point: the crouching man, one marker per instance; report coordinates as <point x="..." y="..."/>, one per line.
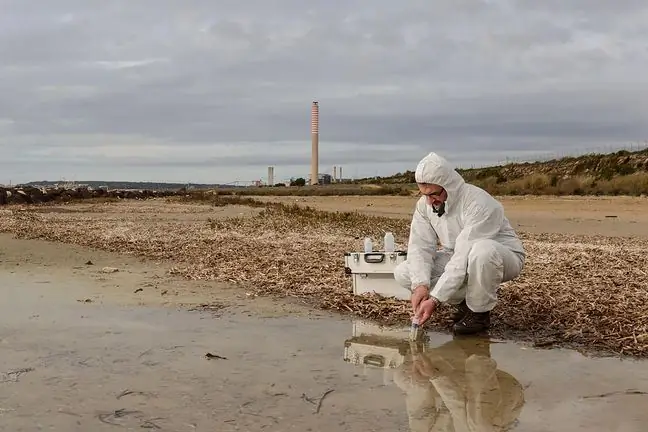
<point x="478" y="248"/>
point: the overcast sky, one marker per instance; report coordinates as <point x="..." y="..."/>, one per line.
<point x="217" y="90"/>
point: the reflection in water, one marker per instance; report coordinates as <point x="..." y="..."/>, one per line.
<point x="454" y="386"/>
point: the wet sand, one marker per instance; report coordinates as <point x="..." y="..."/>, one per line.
<point x="75" y="366"/>
<point x="126" y="280"/>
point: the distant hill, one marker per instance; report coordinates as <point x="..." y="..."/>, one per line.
<point x="123" y="185"/>
<point x="597" y="166"/>
<point x="618" y="173"/>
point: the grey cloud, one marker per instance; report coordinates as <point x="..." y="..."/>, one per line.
<point x="350" y="156"/>
<point x="496" y="76"/>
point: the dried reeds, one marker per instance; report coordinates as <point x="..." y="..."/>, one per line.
<point x="590" y="291"/>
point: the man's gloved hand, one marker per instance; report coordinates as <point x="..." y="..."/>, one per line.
<point x="419" y="294"/>
<point x="425" y="310"/>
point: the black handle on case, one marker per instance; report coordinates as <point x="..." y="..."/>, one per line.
<point x="374" y="360"/>
<point x="373" y="258"/>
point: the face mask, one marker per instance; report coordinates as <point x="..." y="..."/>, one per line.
<point x="439" y="210"/>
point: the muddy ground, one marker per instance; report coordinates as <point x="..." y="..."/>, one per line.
<point x="70" y="365"/>
<point x="126" y="280"/>
<point x="94" y="340"/>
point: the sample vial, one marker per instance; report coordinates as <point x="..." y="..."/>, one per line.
<point x="389" y="242"/>
<point x="414" y="329"/>
<point x="368" y="245"/>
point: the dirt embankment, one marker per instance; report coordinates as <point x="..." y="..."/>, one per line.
<point x="597" y="166"/>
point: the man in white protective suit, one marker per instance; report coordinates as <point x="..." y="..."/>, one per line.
<point x="478" y="248"/>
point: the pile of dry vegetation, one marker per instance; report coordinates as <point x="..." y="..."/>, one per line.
<point x="587" y="291"/>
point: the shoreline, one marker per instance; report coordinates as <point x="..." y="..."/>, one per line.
<point x="128" y="280"/>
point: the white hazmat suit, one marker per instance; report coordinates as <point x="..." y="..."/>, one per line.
<point x="478" y="247"/>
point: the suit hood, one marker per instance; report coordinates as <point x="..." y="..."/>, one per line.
<point x="434" y="169"/>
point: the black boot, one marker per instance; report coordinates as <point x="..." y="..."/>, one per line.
<point x="473" y="323"/>
<point x="460" y="312"/>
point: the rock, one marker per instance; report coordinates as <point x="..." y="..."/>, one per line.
<point x="34" y="195"/>
<point x="109" y="270"/>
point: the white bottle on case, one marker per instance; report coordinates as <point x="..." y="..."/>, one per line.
<point x="368" y="245"/>
<point x="389" y="242"/>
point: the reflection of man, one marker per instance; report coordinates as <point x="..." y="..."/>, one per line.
<point x="458" y="388"/>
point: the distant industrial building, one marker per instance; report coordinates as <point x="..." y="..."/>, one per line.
<point x="322" y="179"/>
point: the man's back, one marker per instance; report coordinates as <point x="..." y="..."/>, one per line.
<point x="468" y="200"/>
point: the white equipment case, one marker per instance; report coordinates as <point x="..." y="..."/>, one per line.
<point x="374" y="272"/>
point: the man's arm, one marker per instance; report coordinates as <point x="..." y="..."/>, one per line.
<point x="482" y="221"/>
<point x="421" y="248"/>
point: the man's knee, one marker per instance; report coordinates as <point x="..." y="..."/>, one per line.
<point x="485" y="274"/>
<point x="485" y="252"/>
<point x="490" y="255"/>
<point x="401" y="275"/>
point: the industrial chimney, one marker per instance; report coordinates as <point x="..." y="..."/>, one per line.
<point x="270" y="176"/>
<point x="334" y="173"/>
<point x="314" y="143"/>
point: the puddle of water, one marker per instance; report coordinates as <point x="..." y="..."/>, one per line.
<point x="68" y="366"/>
<point x="473" y="384"/>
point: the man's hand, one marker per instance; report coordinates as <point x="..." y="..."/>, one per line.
<point x="419" y="294"/>
<point x="426" y="309"/>
<point x="424" y="368"/>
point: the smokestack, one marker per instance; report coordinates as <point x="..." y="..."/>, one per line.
<point x="340" y="174"/>
<point x="334" y="173"/>
<point x="314" y="143"/>
<point x="270" y="176"/>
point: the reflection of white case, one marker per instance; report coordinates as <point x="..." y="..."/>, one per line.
<point x="378" y="348"/>
<point x="374" y="272"/>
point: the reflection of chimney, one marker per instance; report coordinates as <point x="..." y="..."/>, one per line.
<point x="334" y="173"/>
<point x="314" y="143"/>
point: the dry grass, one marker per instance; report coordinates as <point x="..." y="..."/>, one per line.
<point x="635" y="184"/>
<point x="583" y="291"/>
